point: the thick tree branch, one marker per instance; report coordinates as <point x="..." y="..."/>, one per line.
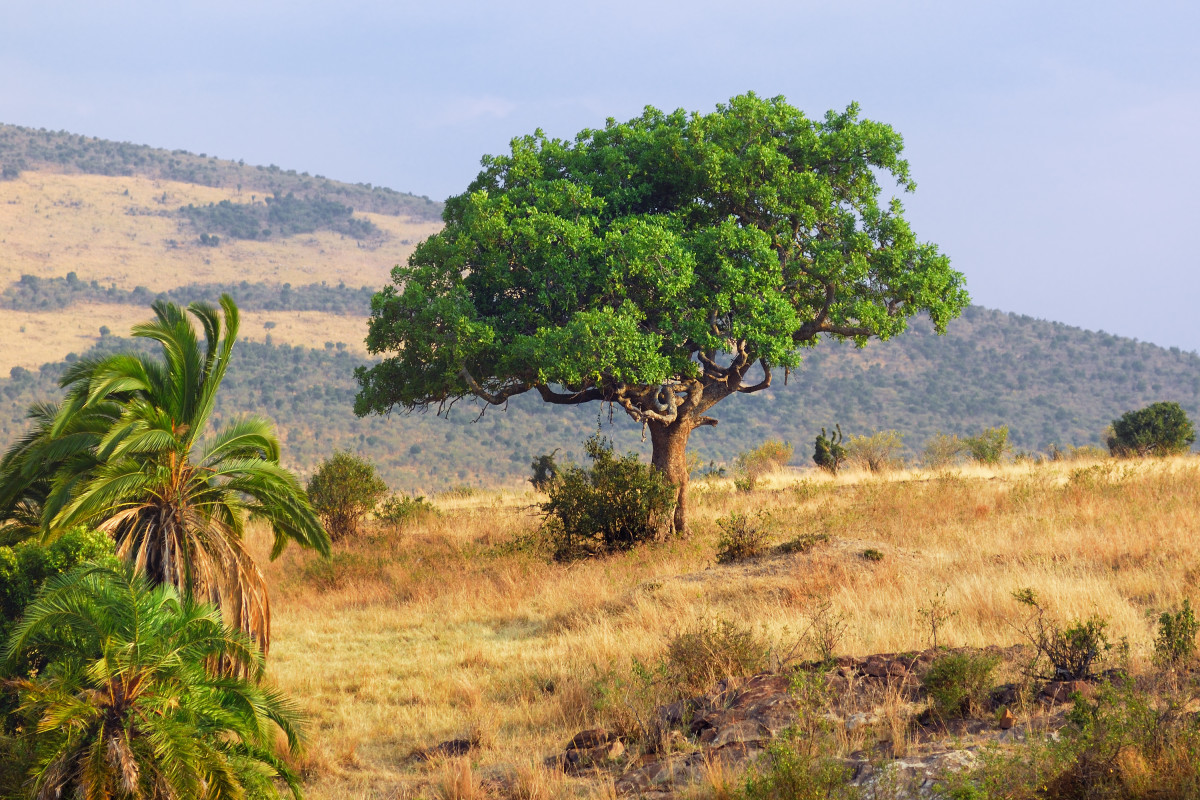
<point x="765" y="383"/>
<point x="568" y="398"/>
<point x="497" y="398"/>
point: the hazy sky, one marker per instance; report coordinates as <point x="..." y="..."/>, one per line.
<point x="1055" y="145"/>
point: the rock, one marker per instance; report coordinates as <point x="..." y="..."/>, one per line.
<point x="581" y="760"/>
<point x="875" y="667"/>
<point x="897" y="668"/>
<point x="1005" y="695"/>
<point x="593" y="737"/>
<point x="451" y="748"/>
<point x="1007" y="720"/>
<point x="746" y="731"/>
<point x="1061" y="691"/>
<point x="859" y="720"/>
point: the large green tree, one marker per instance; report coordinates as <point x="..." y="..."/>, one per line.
<point x="662" y="265"/>
<point x="126" y="452"/>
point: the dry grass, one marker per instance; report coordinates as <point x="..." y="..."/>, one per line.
<point x="118" y="230"/>
<point x="442" y="631"/>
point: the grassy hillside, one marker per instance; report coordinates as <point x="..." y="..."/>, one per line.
<point x="1050" y="383"/>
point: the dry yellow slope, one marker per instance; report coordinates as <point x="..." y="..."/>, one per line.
<point x="123" y="231"/>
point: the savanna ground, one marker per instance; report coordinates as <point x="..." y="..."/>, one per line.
<point x="455" y="626"/>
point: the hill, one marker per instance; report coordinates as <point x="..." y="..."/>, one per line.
<point x="1050" y="383"/>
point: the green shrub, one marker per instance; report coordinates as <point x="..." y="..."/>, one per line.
<point x="616" y="504"/>
<point x="788" y="770"/>
<point x="878" y="452"/>
<point x="989" y="446"/>
<point x="1175" y="644"/>
<point x="742" y="537"/>
<point x="343" y="490"/>
<point x="1073" y="652"/>
<point x="828" y="452"/>
<point x="745" y="482"/>
<point x="871" y="554"/>
<point x="943" y="450"/>
<point x="958" y="684"/>
<point x="1159" y="429"/>
<point x="26" y="567"/>
<point x="712" y="650"/>
<point x="545" y="470"/>
<point x="400" y="510"/>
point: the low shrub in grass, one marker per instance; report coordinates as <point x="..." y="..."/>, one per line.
<point x="1072" y="652"/>
<point x="958" y="684"/>
<point x="614" y="505"/>
<point x="400" y="510"/>
<point x="711" y="650"/>
<point x="343" y="490"/>
<point x="989" y="446"/>
<point x="742" y="537"/>
<point x="878" y="452"/>
<point x="1175" y="645"/>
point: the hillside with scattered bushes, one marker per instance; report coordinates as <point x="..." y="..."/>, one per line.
<point x="1051" y="384"/>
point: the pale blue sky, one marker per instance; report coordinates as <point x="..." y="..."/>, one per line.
<point x="1054" y="144"/>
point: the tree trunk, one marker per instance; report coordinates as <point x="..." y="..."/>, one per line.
<point x="669" y="456"/>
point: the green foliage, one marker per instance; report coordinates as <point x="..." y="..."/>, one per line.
<point x="1073" y="651"/>
<point x="1175" y="644"/>
<point x="343" y="490"/>
<point x="943" y="450"/>
<point x="545" y="469"/>
<point x="616" y="504"/>
<point x="790" y="771"/>
<point x="283" y="215"/>
<point x="989" y="446"/>
<point x="828" y="452"/>
<point x="878" y="452"/>
<point x="27" y="566"/>
<point x="958" y="684"/>
<point x="711" y="650"/>
<point x="401" y="510"/>
<point x="1159" y="429"/>
<point x="871" y="554"/>
<point x="133" y="705"/>
<point x="126" y="450"/>
<point x="742" y="537"/>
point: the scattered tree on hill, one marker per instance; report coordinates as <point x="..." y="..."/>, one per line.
<point x="124" y="453"/>
<point x="878" y="452"/>
<point x="344" y="489"/>
<point x="989" y="446"/>
<point x="130" y="706"/>
<point x="545" y="470"/>
<point x="1159" y="429"/>
<point x="828" y="452"/>
<point x="661" y="265"/>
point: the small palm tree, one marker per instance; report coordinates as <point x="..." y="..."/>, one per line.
<point x="131" y="707"/>
<point x="125" y="452"/>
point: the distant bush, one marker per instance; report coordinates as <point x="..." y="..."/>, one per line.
<point x="698" y="658"/>
<point x="958" y="684"/>
<point x="1085" y="452"/>
<point x="878" y="452"/>
<point x="616" y="504"/>
<point x="989" y="446"/>
<point x="1175" y="645"/>
<point x="942" y="450"/>
<point x="828" y="452"/>
<point x="1159" y="429"/>
<point x="343" y="490"/>
<point x="545" y="470"/>
<point x="742" y="537"/>
<point x="285" y="215"/>
<point x="400" y="510"/>
<point x="771" y="456"/>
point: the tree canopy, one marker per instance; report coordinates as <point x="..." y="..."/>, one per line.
<point x="659" y="264"/>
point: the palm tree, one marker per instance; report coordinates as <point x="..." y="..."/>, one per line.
<point x="129" y="708"/>
<point x="125" y="453"/>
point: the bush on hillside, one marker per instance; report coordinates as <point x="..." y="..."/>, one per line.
<point x="741" y="537"/>
<point x="1175" y="645"/>
<point x="1073" y="651"/>
<point x="828" y="452"/>
<point x="878" y="452"/>
<point x="711" y="650"/>
<point x="1159" y="429"/>
<point x="343" y="490"/>
<point x="770" y="456"/>
<point x="989" y="446"/>
<point x="401" y="510"/>
<point x="943" y="450"/>
<point x="616" y="504"/>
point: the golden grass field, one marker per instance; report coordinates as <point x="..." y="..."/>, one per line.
<point x="118" y="230"/>
<point x="439" y="630"/>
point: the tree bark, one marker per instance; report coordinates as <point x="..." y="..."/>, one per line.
<point x="669" y="456"/>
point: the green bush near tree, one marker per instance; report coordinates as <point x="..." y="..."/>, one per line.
<point x="344" y="489"/>
<point x="616" y="504"/>
<point x="989" y="446"/>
